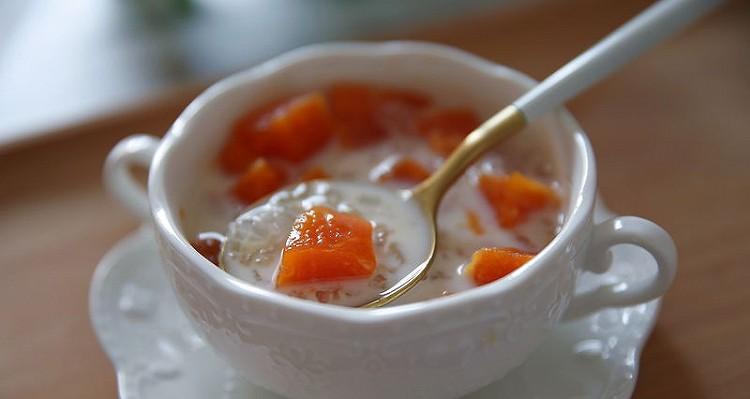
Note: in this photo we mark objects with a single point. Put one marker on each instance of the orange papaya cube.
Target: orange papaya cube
(366, 114)
(406, 169)
(250, 124)
(355, 106)
(444, 144)
(235, 156)
(490, 264)
(397, 109)
(246, 141)
(473, 222)
(314, 173)
(457, 121)
(259, 180)
(298, 128)
(515, 196)
(325, 245)
(208, 247)
(404, 97)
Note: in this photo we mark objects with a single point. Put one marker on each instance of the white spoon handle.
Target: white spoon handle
(656, 23)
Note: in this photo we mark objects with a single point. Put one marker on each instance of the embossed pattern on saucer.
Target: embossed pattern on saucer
(156, 353)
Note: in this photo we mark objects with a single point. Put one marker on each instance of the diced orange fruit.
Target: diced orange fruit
(472, 220)
(404, 97)
(291, 129)
(445, 128)
(299, 128)
(235, 156)
(325, 245)
(490, 264)
(447, 121)
(208, 247)
(314, 173)
(406, 169)
(444, 144)
(259, 180)
(514, 197)
(359, 111)
(354, 108)
(246, 141)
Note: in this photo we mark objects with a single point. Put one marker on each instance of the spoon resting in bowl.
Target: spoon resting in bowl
(416, 209)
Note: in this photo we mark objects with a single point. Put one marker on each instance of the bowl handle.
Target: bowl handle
(137, 150)
(625, 230)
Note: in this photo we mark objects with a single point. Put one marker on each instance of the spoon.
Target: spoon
(645, 30)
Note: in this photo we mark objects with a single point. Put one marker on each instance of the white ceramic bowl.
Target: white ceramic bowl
(441, 348)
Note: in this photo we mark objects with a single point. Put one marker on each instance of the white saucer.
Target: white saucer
(156, 354)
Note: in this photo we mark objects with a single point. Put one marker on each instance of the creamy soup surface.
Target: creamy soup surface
(466, 220)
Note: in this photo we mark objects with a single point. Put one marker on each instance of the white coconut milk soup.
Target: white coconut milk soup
(332, 245)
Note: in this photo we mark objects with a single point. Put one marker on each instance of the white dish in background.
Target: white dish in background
(157, 354)
(144, 60)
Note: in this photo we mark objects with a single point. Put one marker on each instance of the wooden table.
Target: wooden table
(672, 137)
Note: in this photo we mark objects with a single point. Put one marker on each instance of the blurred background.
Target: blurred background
(670, 132)
(62, 62)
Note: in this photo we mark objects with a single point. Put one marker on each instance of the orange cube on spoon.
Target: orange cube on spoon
(325, 245)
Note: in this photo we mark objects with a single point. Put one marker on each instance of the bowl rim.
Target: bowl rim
(582, 199)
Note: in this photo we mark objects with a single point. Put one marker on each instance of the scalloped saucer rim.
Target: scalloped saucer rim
(156, 353)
